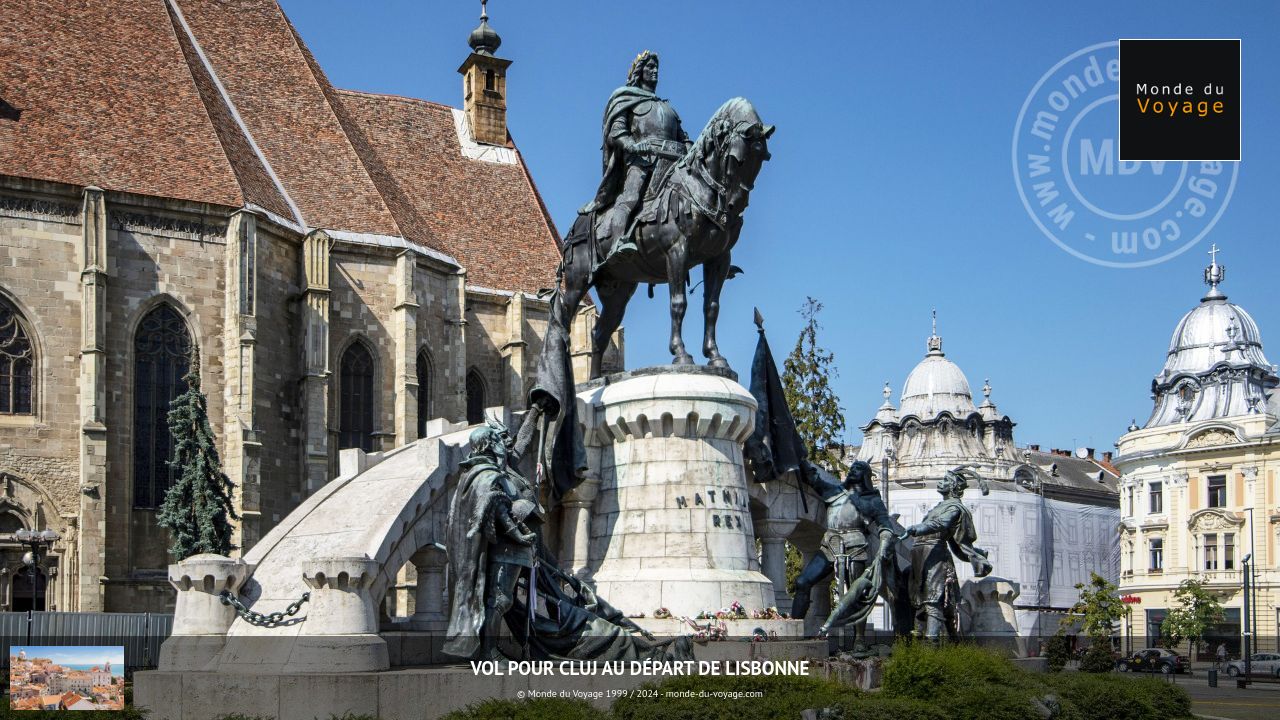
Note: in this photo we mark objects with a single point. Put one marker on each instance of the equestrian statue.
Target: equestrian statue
(664, 206)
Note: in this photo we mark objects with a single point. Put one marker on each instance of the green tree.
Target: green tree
(1195, 610)
(806, 377)
(1099, 608)
(197, 508)
(1098, 611)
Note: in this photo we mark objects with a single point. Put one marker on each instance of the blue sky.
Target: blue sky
(890, 191)
(76, 655)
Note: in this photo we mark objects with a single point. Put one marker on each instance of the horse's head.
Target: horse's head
(732, 149)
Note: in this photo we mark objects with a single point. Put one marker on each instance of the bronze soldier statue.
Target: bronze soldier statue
(642, 138)
(947, 529)
(856, 520)
(491, 534)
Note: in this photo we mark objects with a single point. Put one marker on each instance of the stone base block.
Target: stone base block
(684, 591)
(338, 653)
(191, 652)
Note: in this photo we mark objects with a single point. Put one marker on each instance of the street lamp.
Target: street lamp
(37, 541)
(1248, 651)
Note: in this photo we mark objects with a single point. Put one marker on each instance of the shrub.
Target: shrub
(964, 681)
(881, 707)
(1057, 652)
(536, 709)
(1114, 697)
(783, 696)
(1098, 658)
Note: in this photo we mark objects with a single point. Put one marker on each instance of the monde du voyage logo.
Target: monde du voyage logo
(1128, 162)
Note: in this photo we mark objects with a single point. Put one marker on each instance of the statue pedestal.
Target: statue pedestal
(671, 526)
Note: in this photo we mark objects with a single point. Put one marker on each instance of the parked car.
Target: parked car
(1263, 664)
(1158, 660)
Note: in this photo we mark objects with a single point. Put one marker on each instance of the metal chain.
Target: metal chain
(259, 619)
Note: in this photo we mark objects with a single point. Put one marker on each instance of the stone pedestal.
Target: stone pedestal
(341, 630)
(671, 526)
(200, 619)
(993, 620)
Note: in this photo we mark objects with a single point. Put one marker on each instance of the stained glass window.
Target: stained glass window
(17, 364)
(355, 401)
(475, 397)
(424, 392)
(161, 353)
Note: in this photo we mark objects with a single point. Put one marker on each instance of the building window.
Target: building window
(355, 399)
(1211, 551)
(1228, 551)
(1132, 509)
(489, 82)
(475, 397)
(1155, 495)
(161, 353)
(424, 392)
(17, 364)
(1218, 491)
(10, 523)
(1157, 555)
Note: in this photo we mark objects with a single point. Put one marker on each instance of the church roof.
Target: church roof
(219, 101)
(936, 385)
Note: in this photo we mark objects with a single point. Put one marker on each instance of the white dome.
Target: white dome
(1214, 367)
(1214, 332)
(936, 385)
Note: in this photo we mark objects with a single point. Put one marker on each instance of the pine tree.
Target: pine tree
(197, 508)
(806, 377)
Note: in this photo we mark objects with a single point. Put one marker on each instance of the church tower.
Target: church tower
(484, 84)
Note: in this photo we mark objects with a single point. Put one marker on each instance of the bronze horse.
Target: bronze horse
(692, 217)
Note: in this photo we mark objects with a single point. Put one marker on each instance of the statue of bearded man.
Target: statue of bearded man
(642, 139)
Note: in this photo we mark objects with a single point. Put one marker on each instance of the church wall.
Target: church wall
(278, 379)
(436, 307)
(38, 274)
(361, 305)
(148, 266)
(486, 336)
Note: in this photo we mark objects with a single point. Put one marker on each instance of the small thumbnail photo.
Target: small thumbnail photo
(66, 677)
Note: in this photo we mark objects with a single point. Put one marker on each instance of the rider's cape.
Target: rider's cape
(622, 101)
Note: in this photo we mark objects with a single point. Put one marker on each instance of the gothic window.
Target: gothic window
(1155, 496)
(475, 397)
(424, 392)
(355, 398)
(1156, 549)
(161, 352)
(17, 364)
(1218, 491)
(10, 523)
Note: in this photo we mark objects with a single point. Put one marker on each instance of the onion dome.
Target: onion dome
(936, 385)
(1215, 366)
(484, 39)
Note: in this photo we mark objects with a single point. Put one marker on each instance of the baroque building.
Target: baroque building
(179, 179)
(1199, 492)
(1050, 518)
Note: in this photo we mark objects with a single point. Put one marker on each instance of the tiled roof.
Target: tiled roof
(487, 215)
(220, 101)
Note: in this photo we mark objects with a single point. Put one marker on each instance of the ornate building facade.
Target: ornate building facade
(1199, 491)
(1051, 515)
(178, 178)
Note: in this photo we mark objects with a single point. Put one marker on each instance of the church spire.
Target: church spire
(484, 84)
(935, 342)
(1214, 275)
